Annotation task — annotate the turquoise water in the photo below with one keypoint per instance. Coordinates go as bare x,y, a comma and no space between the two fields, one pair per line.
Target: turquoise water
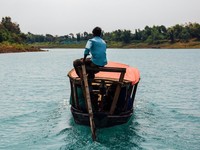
35,111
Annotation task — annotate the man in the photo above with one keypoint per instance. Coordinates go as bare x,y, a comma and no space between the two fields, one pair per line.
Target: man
97,48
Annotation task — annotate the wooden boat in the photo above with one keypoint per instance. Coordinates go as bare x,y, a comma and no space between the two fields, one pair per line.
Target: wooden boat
107,100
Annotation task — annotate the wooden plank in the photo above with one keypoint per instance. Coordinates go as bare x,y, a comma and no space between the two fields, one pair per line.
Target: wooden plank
108,69
117,92
72,93
128,94
75,96
89,104
134,92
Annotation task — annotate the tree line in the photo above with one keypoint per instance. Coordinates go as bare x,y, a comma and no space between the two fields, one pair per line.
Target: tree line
10,32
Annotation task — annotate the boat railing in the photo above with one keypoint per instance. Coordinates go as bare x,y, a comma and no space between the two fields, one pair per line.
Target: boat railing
122,72
108,69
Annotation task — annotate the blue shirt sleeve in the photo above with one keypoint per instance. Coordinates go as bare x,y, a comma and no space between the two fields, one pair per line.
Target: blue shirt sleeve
88,47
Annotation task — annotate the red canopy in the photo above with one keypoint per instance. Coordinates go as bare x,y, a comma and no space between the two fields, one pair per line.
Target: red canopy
132,74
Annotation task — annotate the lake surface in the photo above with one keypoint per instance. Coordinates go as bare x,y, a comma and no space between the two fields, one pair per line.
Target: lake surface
35,111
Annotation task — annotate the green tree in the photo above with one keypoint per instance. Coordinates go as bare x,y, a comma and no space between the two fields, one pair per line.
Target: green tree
170,33
177,30
50,38
78,37
126,36
184,35
194,29
10,26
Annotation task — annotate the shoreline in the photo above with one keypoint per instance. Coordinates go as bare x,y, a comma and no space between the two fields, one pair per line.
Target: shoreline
18,48
38,47
192,44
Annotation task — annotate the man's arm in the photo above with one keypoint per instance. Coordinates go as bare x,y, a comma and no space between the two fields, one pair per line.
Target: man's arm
87,49
85,55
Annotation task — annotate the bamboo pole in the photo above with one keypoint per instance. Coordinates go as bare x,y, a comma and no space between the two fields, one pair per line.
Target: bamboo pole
89,104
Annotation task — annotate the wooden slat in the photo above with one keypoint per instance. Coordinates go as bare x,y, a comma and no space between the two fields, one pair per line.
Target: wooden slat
75,96
108,69
117,92
72,93
128,94
134,92
118,89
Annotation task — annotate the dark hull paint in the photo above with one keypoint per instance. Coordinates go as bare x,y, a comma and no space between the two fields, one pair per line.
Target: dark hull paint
101,119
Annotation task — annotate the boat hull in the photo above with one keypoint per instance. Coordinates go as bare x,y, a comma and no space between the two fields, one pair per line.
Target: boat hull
101,120
106,100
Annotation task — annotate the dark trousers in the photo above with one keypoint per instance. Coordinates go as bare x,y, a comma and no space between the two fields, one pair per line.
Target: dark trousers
88,63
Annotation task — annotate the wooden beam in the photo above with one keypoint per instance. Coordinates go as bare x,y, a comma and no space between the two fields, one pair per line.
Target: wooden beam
75,95
108,69
117,92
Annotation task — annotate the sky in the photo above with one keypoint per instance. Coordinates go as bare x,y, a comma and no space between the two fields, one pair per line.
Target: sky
62,17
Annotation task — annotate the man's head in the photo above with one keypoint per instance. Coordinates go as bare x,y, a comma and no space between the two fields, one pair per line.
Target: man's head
96,31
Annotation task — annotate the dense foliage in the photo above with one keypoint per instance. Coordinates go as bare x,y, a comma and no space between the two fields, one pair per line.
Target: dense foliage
157,34
10,32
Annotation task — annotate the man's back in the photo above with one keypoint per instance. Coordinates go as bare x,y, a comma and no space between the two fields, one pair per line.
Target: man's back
97,47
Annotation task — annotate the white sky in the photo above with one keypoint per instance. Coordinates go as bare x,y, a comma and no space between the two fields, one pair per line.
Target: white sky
61,17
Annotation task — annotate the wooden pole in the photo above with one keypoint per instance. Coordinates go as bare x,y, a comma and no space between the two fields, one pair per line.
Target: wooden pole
89,104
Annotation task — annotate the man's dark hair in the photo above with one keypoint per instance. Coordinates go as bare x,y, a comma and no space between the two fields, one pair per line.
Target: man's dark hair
96,31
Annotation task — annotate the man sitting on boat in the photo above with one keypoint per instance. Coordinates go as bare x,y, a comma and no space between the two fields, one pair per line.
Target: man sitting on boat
97,48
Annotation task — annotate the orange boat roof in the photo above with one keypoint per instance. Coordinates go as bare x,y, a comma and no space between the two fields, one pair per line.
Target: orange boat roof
132,74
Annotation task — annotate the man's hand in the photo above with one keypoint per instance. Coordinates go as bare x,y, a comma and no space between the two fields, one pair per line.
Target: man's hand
84,58
82,61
